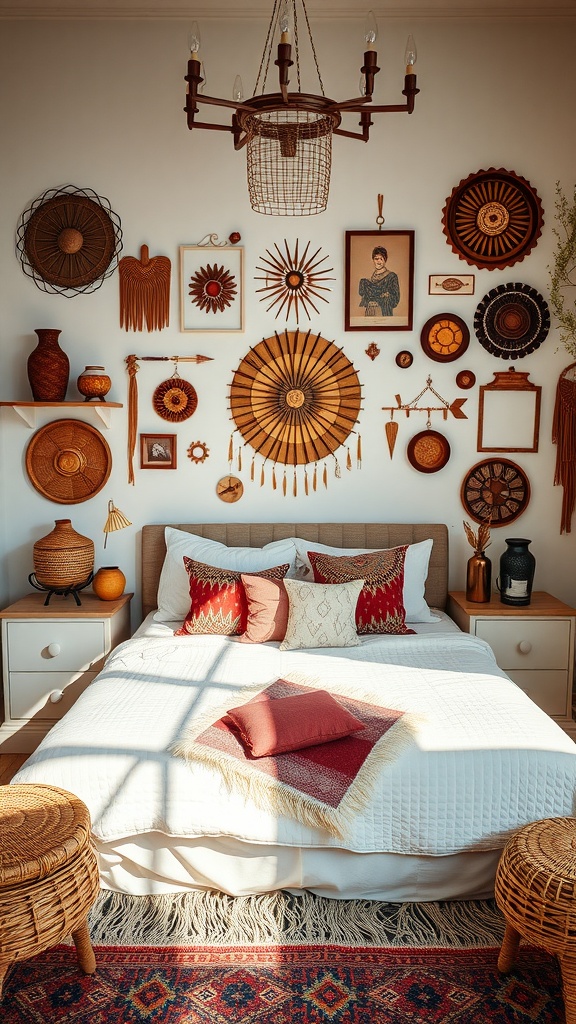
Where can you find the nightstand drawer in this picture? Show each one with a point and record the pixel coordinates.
(30, 693)
(547, 689)
(527, 644)
(54, 646)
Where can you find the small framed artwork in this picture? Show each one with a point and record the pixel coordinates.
(379, 293)
(451, 284)
(158, 451)
(211, 288)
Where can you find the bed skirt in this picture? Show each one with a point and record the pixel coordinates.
(155, 864)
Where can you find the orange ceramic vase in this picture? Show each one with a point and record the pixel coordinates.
(108, 583)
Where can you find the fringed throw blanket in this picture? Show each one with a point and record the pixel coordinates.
(324, 785)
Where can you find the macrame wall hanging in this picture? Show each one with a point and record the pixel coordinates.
(144, 291)
(173, 399)
(295, 400)
(564, 435)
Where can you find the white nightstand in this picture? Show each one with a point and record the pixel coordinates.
(49, 655)
(534, 644)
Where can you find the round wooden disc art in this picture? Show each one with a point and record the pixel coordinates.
(175, 399)
(295, 398)
(496, 489)
(493, 219)
(68, 461)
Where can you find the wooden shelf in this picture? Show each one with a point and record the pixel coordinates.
(28, 410)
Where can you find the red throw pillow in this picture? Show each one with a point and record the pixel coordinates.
(380, 607)
(268, 607)
(218, 601)
(269, 727)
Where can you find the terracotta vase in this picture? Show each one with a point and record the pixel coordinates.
(94, 382)
(478, 578)
(48, 367)
(63, 559)
(108, 583)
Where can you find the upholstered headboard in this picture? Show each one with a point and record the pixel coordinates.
(345, 535)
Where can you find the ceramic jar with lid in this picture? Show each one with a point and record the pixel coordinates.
(94, 382)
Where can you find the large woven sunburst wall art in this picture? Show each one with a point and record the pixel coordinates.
(295, 399)
(69, 240)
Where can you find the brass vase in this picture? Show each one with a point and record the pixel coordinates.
(478, 578)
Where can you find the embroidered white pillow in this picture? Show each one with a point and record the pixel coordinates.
(174, 585)
(415, 572)
(321, 614)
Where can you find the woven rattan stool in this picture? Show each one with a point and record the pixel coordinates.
(48, 873)
(536, 892)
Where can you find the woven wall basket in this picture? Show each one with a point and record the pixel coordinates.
(68, 461)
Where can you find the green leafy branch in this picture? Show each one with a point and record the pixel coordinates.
(563, 270)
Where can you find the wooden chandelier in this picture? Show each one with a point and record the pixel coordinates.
(288, 135)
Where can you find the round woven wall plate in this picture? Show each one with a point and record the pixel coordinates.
(428, 451)
(175, 400)
(68, 461)
(69, 240)
(496, 488)
(445, 337)
(493, 219)
(512, 320)
(466, 379)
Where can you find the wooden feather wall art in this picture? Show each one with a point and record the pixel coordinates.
(295, 400)
(144, 291)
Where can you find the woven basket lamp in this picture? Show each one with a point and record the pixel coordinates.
(48, 874)
(536, 891)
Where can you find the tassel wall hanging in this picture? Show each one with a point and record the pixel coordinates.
(295, 399)
(564, 436)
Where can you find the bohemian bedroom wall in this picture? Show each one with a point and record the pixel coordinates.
(97, 104)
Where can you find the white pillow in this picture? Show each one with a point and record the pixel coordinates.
(415, 572)
(174, 585)
(321, 614)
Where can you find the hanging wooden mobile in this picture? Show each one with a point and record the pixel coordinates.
(293, 279)
(295, 399)
(391, 428)
(144, 291)
(167, 402)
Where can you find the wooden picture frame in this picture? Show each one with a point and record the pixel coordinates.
(211, 289)
(509, 413)
(157, 451)
(379, 292)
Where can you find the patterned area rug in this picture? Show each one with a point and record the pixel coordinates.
(284, 985)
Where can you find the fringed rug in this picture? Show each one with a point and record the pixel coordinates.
(213, 918)
(284, 985)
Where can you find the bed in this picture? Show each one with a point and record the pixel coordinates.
(481, 759)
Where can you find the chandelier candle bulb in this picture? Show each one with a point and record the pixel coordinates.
(410, 56)
(370, 30)
(194, 41)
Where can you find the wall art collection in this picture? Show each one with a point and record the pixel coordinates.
(295, 397)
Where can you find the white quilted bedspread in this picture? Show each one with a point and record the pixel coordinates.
(484, 759)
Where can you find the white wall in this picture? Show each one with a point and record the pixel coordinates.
(99, 105)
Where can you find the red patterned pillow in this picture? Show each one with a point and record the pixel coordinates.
(380, 607)
(218, 599)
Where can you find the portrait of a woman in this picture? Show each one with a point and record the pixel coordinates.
(380, 293)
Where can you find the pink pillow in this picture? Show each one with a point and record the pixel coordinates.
(270, 727)
(268, 606)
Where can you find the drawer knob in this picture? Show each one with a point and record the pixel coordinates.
(524, 647)
(54, 650)
(56, 695)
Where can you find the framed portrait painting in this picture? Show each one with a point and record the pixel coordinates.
(379, 292)
(211, 288)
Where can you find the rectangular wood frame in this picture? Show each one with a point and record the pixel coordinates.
(509, 413)
(222, 268)
(165, 455)
(394, 311)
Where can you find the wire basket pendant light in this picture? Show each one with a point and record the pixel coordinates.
(288, 134)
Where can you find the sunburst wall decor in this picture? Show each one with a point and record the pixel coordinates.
(293, 279)
(295, 399)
